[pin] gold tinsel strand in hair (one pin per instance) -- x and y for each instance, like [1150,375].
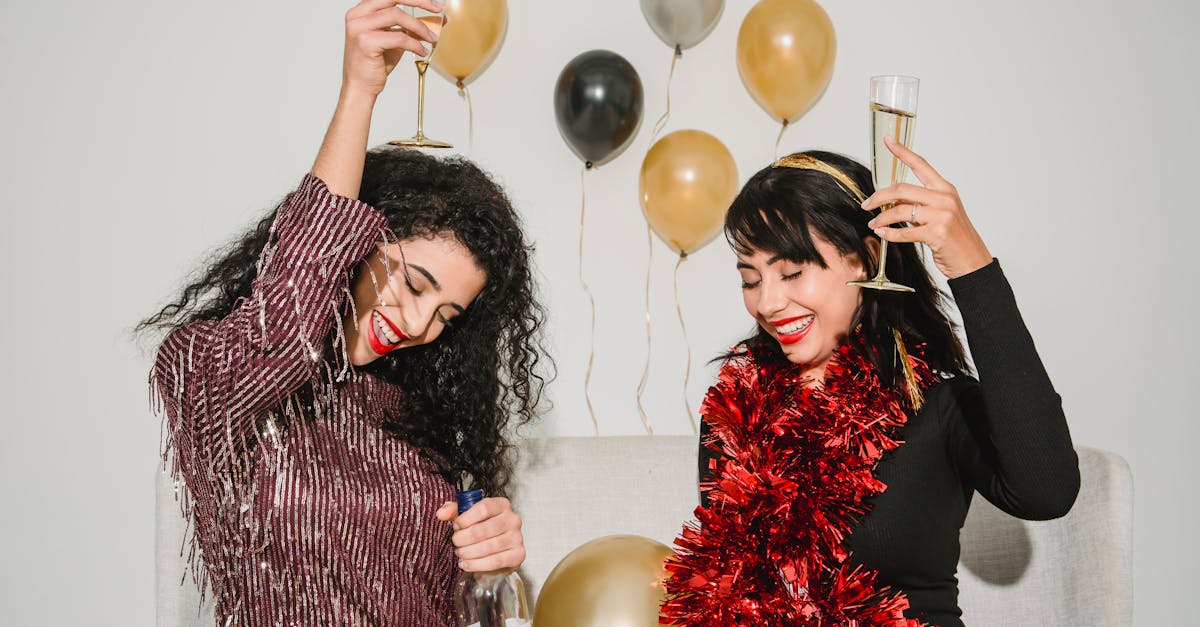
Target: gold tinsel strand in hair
[910,375]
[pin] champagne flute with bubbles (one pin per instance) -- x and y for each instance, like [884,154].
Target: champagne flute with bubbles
[435,22]
[893,114]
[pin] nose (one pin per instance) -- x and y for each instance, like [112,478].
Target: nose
[416,321]
[419,315]
[771,300]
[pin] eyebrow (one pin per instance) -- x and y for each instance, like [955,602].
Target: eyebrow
[428,275]
[436,286]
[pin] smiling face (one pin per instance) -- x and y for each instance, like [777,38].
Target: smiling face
[407,292]
[808,309]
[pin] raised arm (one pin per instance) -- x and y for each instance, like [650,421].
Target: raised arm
[217,378]
[1008,434]
[1009,437]
[378,32]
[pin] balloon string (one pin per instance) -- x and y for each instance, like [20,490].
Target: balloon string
[464,92]
[687,375]
[662,120]
[646,369]
[778,138]
[587,377]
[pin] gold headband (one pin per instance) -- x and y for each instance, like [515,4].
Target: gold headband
[802,161]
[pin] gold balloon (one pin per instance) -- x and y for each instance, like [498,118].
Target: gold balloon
[615,581]
[472,37]
[688,180]
[785,52]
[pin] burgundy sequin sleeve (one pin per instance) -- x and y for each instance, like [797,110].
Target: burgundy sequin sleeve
[217,378]
[304,510]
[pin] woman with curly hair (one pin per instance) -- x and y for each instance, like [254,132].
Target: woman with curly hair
[336,372]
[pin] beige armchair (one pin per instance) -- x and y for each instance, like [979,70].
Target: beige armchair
[1066,572]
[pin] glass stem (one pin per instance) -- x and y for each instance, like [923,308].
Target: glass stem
[422,66]
[880,277]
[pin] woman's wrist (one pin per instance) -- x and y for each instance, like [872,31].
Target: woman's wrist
[979,259]
[980,279]
[356,99]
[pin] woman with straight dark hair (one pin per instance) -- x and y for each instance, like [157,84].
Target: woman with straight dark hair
[844,439]
[333,375]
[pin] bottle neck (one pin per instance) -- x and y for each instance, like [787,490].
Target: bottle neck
[467,500]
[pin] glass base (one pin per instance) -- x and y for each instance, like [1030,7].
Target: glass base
[420,141]
[882,284]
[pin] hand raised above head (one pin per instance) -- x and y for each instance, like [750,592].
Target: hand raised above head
[935,214]
[378,32]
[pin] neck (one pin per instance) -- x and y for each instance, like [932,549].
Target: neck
[814,374]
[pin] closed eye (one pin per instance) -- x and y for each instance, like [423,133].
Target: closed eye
[749,285]
[794,275]
[453,318]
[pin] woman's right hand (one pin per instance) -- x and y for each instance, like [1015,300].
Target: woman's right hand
[374,46]
[377,34]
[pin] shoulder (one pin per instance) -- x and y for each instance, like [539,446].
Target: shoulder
[738,368]
[743,383]
[182,342]
[952,399]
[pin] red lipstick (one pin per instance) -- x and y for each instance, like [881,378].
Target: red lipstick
[378,345]
[794,337]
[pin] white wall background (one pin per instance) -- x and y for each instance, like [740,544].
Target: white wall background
[135,136]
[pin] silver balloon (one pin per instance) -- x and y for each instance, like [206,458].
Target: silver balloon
[682,23]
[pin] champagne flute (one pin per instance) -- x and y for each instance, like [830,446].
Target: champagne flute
[893,114]
[435,22]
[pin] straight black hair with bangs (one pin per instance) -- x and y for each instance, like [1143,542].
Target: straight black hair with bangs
[781,210]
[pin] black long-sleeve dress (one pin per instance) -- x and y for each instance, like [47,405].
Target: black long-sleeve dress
[1004,436]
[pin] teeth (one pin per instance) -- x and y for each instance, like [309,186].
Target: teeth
[796,326]
[385,330]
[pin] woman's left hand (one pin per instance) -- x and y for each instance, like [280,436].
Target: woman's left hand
[935,213]
[486,537]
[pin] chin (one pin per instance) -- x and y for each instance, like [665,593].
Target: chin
[803,355]
[797,353]
[799,360]
[359,353]
[358,359]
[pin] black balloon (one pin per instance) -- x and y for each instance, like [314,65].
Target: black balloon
[598,105]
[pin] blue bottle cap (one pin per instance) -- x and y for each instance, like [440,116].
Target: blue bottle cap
[467,499]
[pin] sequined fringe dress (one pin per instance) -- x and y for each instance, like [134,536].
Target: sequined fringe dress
[304,511]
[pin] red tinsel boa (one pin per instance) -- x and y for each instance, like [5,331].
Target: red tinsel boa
[793,470]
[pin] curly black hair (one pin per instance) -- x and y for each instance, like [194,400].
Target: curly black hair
[780,209]
[465,392]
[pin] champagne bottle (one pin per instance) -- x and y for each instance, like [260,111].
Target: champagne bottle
[491,599]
